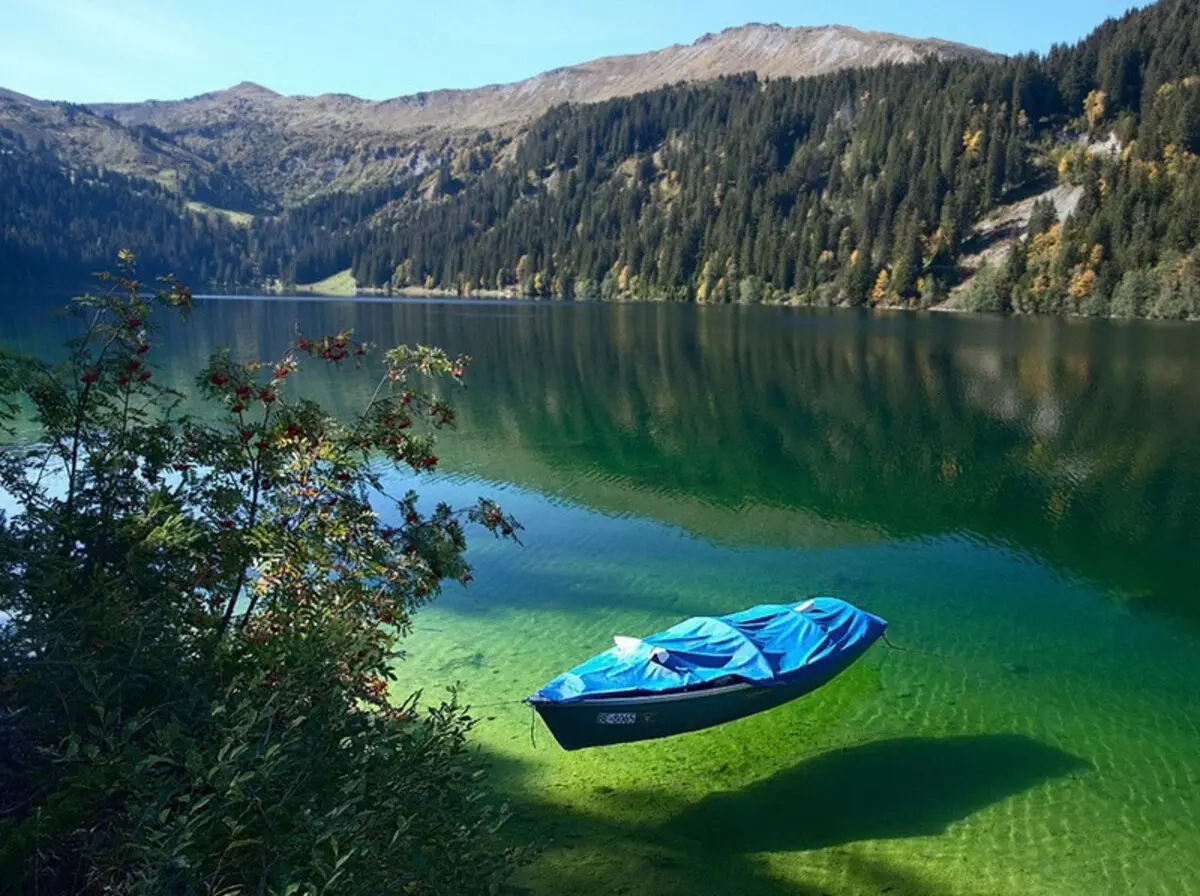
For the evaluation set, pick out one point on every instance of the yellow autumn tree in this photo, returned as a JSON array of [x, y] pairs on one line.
[[883, 286], [1048, 280], [1094, 107], [973, 144], [704, 287], [1082, 284], [523, 266], [1071, 165]]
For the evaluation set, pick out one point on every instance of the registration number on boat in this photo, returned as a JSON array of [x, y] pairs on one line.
[[616, 718]]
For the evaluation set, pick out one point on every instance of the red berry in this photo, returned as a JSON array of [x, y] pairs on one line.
[[135, 365], [412, 518], [262, 444], [145, 376], [134, 322], [218, 380], [91, 376], [143, 348], [226, 524], [238, 408], [247, 435], [122, 380], [243, 392], [266, 396]]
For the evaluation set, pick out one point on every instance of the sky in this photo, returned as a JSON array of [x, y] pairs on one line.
[[127, 50]]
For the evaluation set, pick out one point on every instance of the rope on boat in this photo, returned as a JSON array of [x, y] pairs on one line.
[[887, 642], [496, 703], [532, 714]]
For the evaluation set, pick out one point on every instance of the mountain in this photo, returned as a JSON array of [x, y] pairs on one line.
[[770, 51], [1064, 183], [289, 147], [80, 138]]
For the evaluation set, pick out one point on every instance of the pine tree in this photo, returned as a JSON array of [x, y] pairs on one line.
[[908, 267]]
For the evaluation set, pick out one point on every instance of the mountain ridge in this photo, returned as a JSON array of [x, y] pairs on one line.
[[867, 185], [295, 146], [917, 48]]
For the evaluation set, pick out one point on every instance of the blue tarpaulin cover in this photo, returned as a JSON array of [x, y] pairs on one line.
[[768, 645]]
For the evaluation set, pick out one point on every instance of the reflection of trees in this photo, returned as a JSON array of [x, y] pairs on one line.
[[1075, 441]]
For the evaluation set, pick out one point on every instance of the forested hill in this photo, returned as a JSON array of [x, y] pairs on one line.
[[887, 185]]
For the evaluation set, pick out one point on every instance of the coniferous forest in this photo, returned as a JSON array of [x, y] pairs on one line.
[[866, 187]]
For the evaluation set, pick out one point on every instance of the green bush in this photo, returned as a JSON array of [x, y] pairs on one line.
[[1134, 294], [1178, 290], [988, 290], [203, 615]]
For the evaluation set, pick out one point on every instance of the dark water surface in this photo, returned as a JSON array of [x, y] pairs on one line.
[[1019, 498]]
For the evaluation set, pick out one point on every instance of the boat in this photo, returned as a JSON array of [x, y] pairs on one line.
[[705, 671]]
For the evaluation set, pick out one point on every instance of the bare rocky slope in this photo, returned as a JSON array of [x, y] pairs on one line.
[[771, 51], [291, 147]]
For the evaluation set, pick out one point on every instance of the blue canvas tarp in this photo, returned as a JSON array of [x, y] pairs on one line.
[[768, 645]]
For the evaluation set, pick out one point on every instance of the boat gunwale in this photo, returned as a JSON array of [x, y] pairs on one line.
[[665, 697]]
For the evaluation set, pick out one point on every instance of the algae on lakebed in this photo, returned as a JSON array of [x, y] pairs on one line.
[[614, 820], [1042, 741], [1017, 497]]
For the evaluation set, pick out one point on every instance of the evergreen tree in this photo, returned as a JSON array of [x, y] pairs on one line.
[[808, 187]]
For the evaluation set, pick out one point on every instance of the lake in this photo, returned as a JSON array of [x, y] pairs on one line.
[[1019, 498]]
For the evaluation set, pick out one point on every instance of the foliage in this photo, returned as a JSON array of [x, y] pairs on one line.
[[203, 618], [739, 190], [819, 187], [986, 291]]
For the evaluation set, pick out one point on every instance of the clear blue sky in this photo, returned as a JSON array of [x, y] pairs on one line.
[[83, 50]]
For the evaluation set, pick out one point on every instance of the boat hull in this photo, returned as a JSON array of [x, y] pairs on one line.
[[618, 720]]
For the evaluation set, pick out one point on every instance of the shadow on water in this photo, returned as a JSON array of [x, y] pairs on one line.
[[643, 841], [906, 787]]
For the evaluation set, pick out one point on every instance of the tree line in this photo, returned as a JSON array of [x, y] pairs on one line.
[[860, 187]]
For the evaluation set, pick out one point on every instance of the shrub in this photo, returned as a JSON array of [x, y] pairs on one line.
[[1178, 293], [1134, 294], [203, 615], [989, 290]]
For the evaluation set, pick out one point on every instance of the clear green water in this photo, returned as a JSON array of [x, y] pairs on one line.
[[1020, 499]]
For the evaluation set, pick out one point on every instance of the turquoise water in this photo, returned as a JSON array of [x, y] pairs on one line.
[[1018, 498]]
